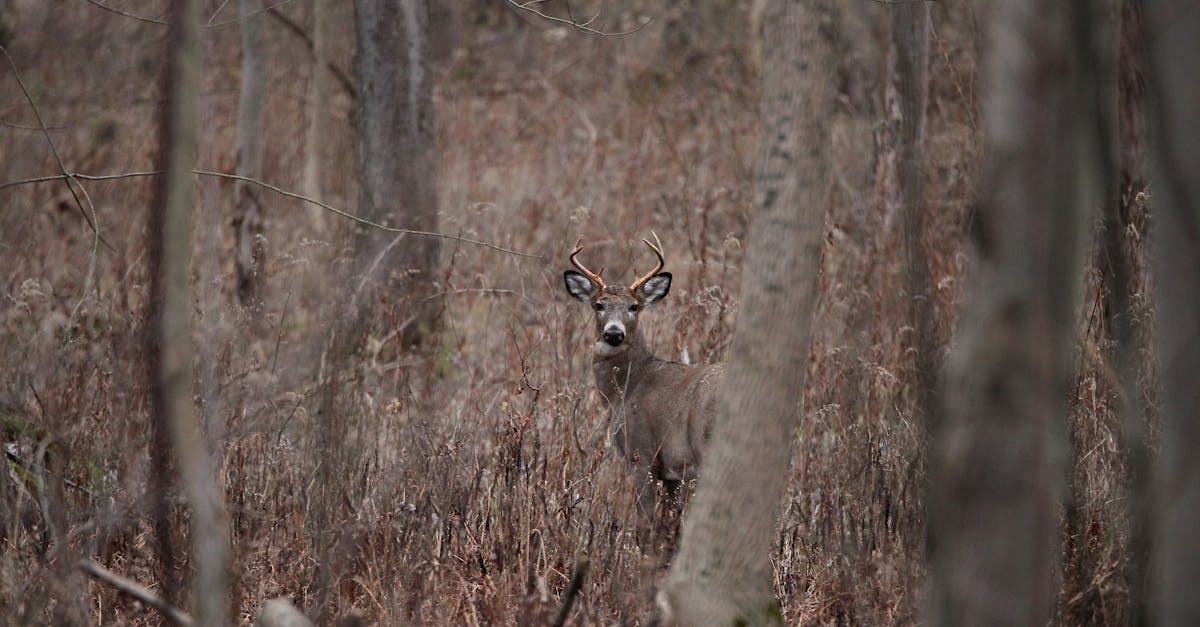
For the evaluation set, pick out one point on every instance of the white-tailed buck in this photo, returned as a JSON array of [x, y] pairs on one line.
[[660, 412]]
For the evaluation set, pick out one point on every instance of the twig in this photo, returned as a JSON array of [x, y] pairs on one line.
[[53, 149], [282, 192], [26, 127], [250, 14], [86, 177], [41, 469], [581, 568], [216, 13], [122, 13], [91, 270], [135, 590], [282, 427], [338, 73], [279, 332], [210, 24], [529, 5], [364, 221]]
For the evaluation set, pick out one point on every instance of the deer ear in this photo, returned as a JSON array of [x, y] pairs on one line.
[[578, 286], [655, 288]]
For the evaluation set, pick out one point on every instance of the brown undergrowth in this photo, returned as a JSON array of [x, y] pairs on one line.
[[484, 472]]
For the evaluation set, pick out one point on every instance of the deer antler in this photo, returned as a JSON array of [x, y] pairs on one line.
[[594, 276], [661, 262]]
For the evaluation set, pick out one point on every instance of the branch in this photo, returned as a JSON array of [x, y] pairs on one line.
[[282, 192], [298, 30], [250, 14], [134, 590], [364, 221], [530, 6], [53, 149], [581, 568], [151, 20], [122, 13]]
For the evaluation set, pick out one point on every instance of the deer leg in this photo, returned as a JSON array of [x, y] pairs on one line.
[[672, 511], [671, 488], [646, 502]]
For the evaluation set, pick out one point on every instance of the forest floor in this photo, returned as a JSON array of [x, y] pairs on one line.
[[482, 469]]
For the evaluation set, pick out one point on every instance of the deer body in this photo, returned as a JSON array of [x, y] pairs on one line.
[[659, 412]]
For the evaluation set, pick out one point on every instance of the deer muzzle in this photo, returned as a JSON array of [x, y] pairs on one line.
[[614, 334]]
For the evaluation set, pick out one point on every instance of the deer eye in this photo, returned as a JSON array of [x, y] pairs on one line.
[[599, 306], [634, 307]]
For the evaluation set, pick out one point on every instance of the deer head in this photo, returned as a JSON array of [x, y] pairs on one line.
[[617, 308]]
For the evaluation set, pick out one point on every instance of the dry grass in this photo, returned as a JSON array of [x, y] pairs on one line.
[[483, 474]]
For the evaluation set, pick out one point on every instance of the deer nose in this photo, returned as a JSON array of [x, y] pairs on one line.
[[613, 336]]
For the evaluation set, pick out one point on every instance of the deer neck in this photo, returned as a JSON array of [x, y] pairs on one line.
[[618, 371]]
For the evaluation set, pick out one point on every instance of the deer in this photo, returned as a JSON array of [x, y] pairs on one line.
[[660, 412]]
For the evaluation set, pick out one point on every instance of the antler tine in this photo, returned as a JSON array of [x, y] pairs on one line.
[[594, 276], [661, 262]]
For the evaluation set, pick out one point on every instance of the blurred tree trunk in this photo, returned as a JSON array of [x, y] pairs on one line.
[[867, 161], [248, 210], [318, 93], [1113, 140], [171, 352], [694, 32], [908, 88], [1122, 277], [397, 178], [997, 467], [397, 159], [723, 573], [1172, 32]]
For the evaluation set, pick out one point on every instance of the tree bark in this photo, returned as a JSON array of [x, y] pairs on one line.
[[248, 210], [397, 159], [997, 469], [908, 92], [318, 93], [397, 177], [697, 30], [171, 353], [1172, 30], [1114, 132], [723, 574]]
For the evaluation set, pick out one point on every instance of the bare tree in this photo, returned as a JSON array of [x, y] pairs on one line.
[[248, 209], [1172, 30], [318, 93], [396, 157], [997, 469], [1116, 172], [907, 93], [396, 165], [723, 574], [171, 351]]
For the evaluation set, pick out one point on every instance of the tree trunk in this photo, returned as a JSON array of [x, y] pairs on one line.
[[1114, 135], [171, 352], [997, 469], [397, 176], [248, 210], [397, 158], [318, 93], [907, 93], [723, 574], [1172, 30], [695, 31]]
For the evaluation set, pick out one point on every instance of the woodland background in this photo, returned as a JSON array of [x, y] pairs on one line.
[[479, 472]]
